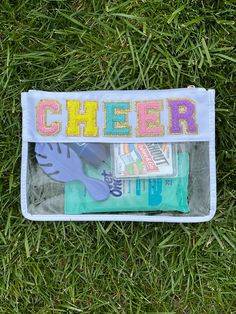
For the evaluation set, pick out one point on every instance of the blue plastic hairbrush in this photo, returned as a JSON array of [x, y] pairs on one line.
[[63, 164]]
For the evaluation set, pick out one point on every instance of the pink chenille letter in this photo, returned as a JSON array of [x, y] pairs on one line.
[[148, 122], [41, 118]]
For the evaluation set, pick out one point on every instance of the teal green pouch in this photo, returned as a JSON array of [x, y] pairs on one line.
[[153, 194]]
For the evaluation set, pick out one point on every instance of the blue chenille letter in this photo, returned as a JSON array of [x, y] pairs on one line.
[[116, 119]]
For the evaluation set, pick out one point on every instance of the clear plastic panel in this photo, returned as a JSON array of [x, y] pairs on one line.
[[80, 179]]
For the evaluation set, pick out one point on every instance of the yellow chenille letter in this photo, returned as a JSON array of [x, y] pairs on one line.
[[88, 118]]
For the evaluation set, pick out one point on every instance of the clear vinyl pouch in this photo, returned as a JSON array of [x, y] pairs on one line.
[[119, 155]]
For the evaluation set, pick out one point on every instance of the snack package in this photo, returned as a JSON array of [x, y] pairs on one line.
[[143, 160], [119, 155]]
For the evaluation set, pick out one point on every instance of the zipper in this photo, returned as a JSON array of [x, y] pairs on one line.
[[132, 91]]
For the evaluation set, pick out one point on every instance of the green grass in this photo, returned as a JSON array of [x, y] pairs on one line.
[[116, 267]]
